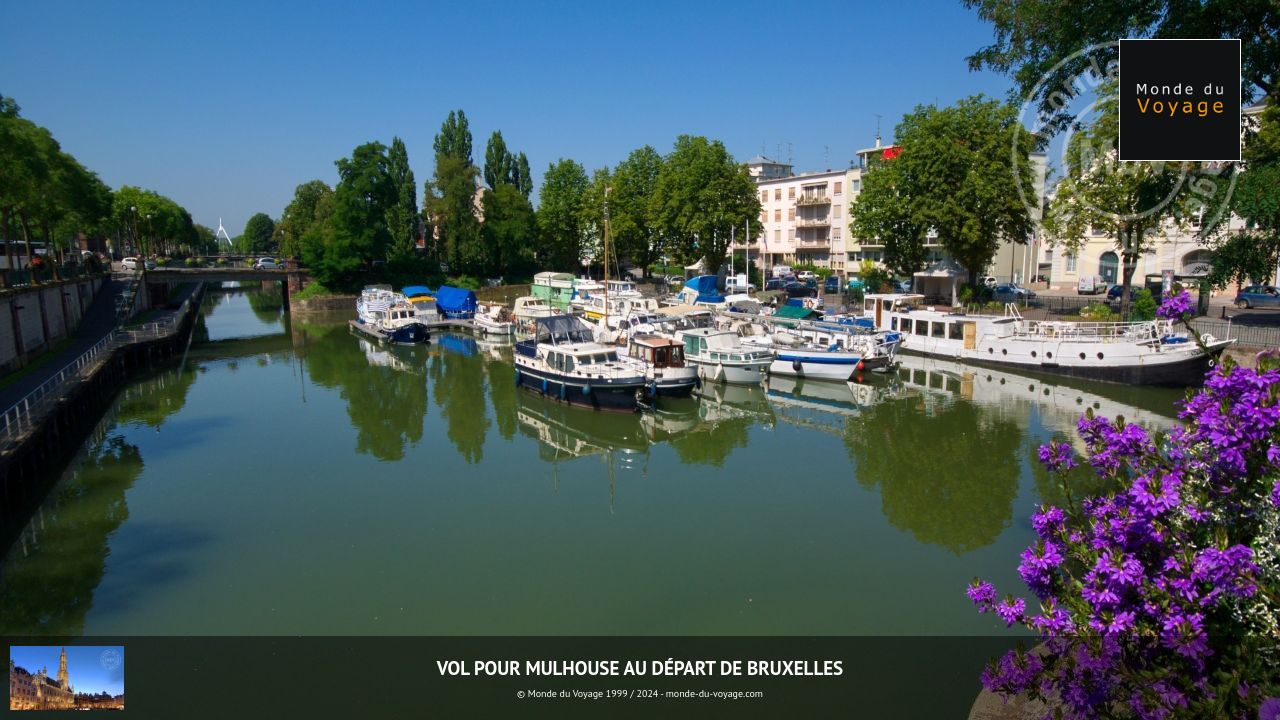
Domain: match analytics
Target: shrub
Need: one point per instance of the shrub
(1143, 306)
(1095, 311)
(190, 262)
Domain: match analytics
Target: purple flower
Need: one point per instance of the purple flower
(982, 593)
(1011, 610)
(1048, 521)
(1270, 709)
(1058, 457)
(1176, 307)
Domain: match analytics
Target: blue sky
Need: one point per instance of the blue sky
(85, 667)
(226, 107)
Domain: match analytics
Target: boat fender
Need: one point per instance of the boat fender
(653, 388)
(563, 388)
(517, 376)
(586, 389)
(796, 365)
(861, 366)
(544, 386)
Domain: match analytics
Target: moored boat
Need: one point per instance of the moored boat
(662, 361)
(720, 356)
(556, 289)
(562, 361)
(494, 319)
(388, 316)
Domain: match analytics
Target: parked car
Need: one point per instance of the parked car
(987, 281)
(1090, 285)
(1008, 292)
(129, 263)
(831, 285)
(1258, 296)
(1117, 290)
(800, 290)
(775, 284)
(738, 284)
(856, 283)
(150, 264)
(804, 275)
(677, 280)
(266, 263)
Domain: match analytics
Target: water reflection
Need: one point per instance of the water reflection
(384, 388)
(458, 375)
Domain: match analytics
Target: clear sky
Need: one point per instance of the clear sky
(86, 668)
(227, 106)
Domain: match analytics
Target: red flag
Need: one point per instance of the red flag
(892, 152)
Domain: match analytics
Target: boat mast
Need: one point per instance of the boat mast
(606, 258)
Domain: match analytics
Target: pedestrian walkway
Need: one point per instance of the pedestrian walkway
(98, 321)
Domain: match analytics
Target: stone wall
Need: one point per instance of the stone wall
(33, 320)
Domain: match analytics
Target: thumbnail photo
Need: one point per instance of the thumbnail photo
(88, 677)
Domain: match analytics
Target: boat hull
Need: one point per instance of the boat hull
(732, 374)
(412, 334)
(673, 387)
(824, 365)
(1186, 371)
(599, 395)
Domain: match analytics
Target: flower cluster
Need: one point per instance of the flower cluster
(1147, 589)
(1176, 306)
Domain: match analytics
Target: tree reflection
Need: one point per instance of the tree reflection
(267, 305)
(502, 392)
(458, 374)
(384, 387)
(947, 469)
(50, 573)
(151, 402)
(712, 443)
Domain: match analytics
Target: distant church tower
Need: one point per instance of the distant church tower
(62, 671)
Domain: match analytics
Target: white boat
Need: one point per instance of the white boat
(563, 362)
(662, 360)
(528, 309)
(494, 319)
(831, 355)
(554, 288)
(388, 316)
(720, 356)
(1147, 352)
(584, 288)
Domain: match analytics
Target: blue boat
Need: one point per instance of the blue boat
(564, 362)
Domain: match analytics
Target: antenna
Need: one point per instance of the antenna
(826, 157)
(877, 128)
(789, 158)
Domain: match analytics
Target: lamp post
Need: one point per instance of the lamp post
(151, 236)
(133, 240)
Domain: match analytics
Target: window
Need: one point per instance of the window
(568, 363)
(955, 331)
(1071, 262)
(777, 214)
(835, 233)
(835, 211)
(764, 196)
(777, 235)
(855, 186)
(922, 327)
(839, 187)
(764, 216)
(791, 193)
(777, 193)
(791, 213)
(939, 330)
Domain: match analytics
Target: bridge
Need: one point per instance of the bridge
(290, 279)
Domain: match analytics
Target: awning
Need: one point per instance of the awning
(791, 312)
(415, 290)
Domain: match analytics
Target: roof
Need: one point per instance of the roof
(415, 290)
(653, 340)
(452, 299)
(762, 160)
(943, 268)
(558, 329)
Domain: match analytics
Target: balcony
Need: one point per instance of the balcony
(813, 222)
(814, 199)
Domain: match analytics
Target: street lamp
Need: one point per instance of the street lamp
(134, 239)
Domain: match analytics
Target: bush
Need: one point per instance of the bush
(190, 262)
(1095, 311)
(1143, 306)
(222, 262)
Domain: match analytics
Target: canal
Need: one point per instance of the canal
(290, 478)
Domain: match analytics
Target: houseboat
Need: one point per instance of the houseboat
(831, 355)
(1147, 352)
(555, 289)
(720, 356)
(424, 303)
(528, 309)
(563, 361)
(494, 319)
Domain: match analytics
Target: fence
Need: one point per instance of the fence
(1247, 335)
(18, 417)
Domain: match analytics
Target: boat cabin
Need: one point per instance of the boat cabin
(554, 288)
(586, 357)
(658, 351)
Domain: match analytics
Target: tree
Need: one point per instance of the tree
(509, 230)
(700, 194)
(1131, 201)
(560, 216)
(402, 215)
(591, 220)
(356, 231)
(302, 214)
(454, 139)
(499, 165)
(258, 235)
(634, 182)
(882, 212)
(521, 177)
(1254, 254)
(1040, 39)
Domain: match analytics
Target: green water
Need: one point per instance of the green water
(289, 478)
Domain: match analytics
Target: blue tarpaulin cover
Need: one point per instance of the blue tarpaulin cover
(416, 290)
(706, 286)
(455, 302)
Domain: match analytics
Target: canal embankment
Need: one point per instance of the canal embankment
(68, 398)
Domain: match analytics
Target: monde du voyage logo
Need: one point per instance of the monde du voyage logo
(1180, 100)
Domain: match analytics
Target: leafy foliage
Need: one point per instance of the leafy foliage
(356, 231)
(258, 235)
(402, 215)
(509, 225)
(310, 208)
(560, 227)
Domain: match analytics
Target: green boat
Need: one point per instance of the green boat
(555, 288)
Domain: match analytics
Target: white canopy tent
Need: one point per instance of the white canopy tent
(942, 278)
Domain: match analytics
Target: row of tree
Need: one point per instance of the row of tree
(47, 196)
(686, 205)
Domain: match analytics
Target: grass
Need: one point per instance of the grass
(312, 290)
(36, 364)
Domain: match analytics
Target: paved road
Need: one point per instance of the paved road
(98, 320)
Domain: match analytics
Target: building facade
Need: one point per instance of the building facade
(39, 691)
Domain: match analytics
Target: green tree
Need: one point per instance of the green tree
(499, 165)
(402, 215)
(509, 231)
(591, 220)
(700, 194)
(454, 139)
(634, 180)
(1253, 254)
(356, 231)
(1037, 41)
(1130, 201)
(521, 177)
(450, 201)
(259, 235)
(956, 176)
(560, 216)
(308, 208)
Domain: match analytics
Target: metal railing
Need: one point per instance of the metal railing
(18, 417)
(1246, 335)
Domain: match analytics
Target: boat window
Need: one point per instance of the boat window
(893, 323)
(611, 357)
(922, 327)
(659, 357)
(955, 331)
(939, 329)
(601, 357)
(568, 363)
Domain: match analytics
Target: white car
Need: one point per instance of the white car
(266, 263)
(804, 275)
(987, 281)
(129, 263)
